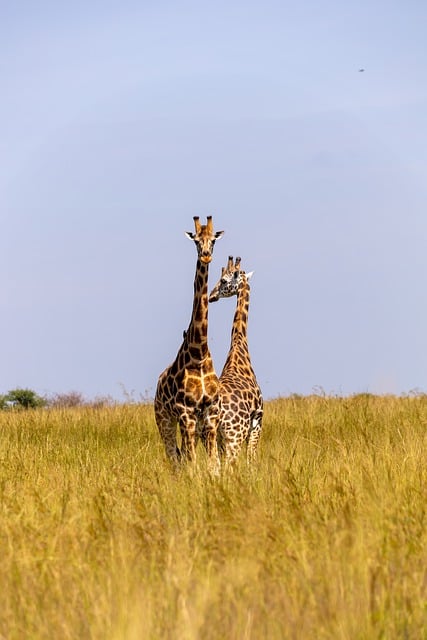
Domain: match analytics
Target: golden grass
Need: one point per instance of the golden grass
(324, 538)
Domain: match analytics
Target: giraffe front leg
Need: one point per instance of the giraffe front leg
(233, 445)
(166, 425)
(187, 425)
(210, 441)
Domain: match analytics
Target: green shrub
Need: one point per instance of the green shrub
(23, 399)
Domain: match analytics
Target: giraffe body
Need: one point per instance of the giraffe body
(187, 392)
(241, 398)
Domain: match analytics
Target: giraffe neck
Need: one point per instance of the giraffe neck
(197, 333)
(240, 321)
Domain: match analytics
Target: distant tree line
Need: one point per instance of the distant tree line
(17, 399)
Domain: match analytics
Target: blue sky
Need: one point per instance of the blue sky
(121, 121)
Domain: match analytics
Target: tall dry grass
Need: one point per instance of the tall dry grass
(324, 538)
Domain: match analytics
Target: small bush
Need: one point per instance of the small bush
(67, 400)
(23, 399)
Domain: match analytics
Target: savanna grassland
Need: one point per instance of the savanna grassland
(326, 537)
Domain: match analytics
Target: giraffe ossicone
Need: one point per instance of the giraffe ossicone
(187, 393)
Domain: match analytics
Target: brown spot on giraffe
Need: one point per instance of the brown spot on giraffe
(241, 399)
(187, 392)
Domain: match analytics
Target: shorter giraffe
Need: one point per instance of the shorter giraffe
(241, 399)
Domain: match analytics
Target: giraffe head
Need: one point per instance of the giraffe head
(204, 238)
(230, 281)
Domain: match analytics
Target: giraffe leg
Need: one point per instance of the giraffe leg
(254, 436)
(187, 425)
(231, 453)
(234, 447)
(167, 429)
(210, 440)
(231, 434)
(220, 443)
(233, 440)
(232, 450)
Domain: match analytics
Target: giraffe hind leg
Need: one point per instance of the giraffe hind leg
(254, 435)
(220, 444)
(210, 436)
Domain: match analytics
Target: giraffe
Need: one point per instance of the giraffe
(187, 391)
(241, 399)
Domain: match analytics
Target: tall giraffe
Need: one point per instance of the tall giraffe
(241, 398)
(187, 391)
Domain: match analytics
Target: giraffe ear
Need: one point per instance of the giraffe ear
(249, 275)
(189, 234)
(218, 234)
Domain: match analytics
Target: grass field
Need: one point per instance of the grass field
(325, 538)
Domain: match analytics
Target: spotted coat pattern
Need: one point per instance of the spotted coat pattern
(187, 392)
(241, 399)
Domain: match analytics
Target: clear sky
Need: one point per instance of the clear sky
(120, 121)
